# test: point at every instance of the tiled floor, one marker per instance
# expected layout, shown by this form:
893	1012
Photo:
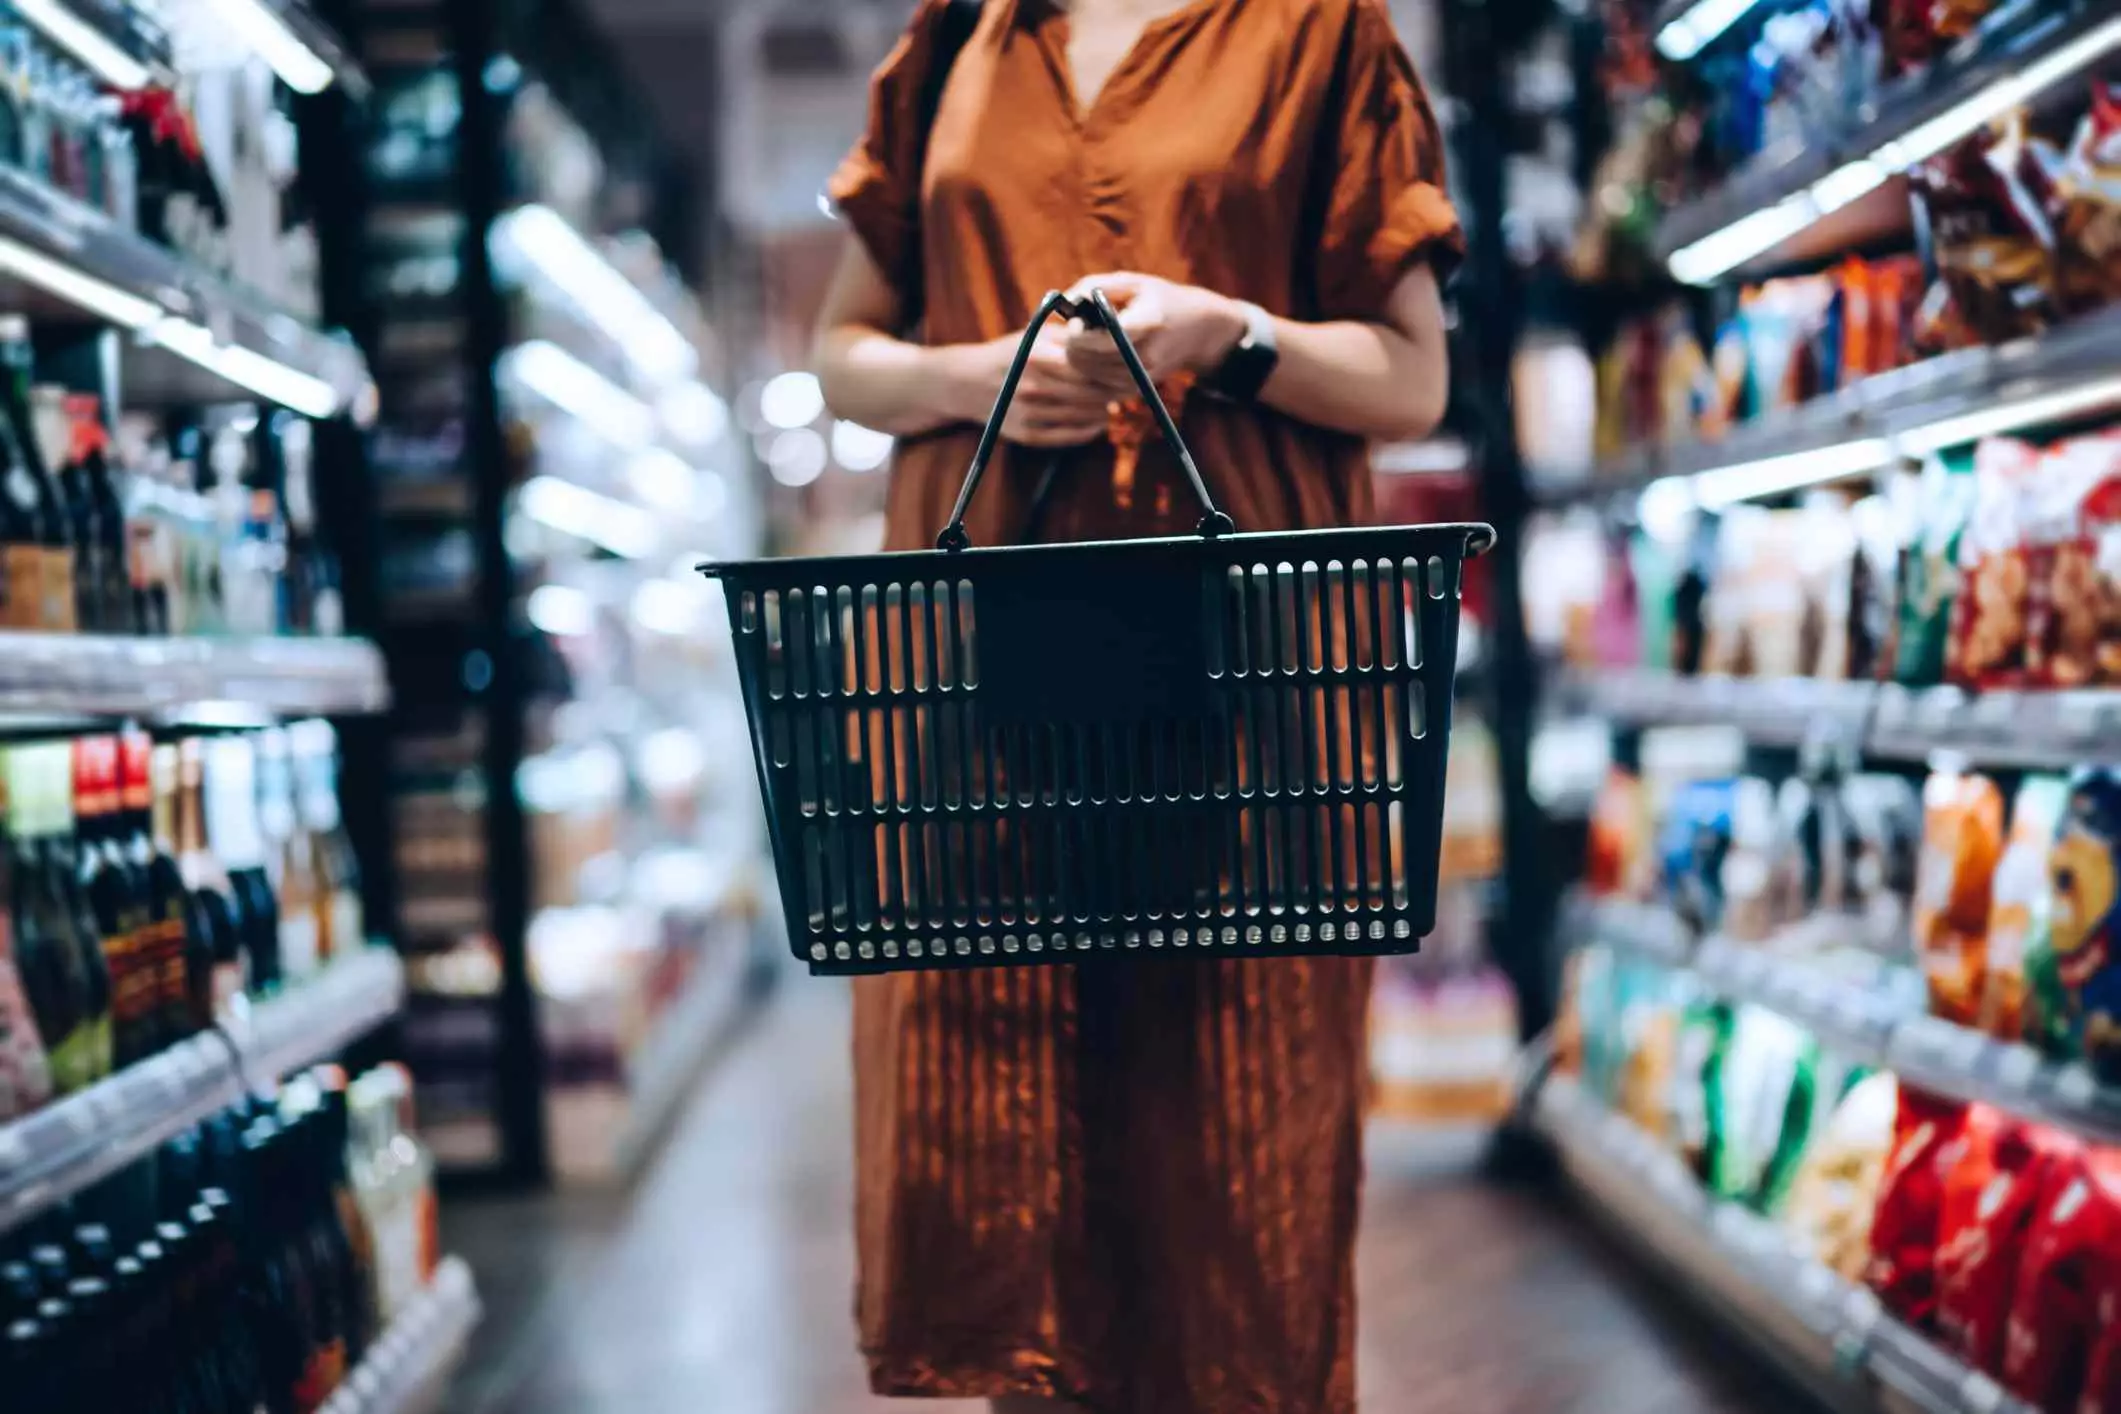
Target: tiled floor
723	1285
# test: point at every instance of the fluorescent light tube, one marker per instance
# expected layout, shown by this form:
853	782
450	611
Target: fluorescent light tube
1722	251
269	379
2011	417
266	35
623	529
1686	36
85	42
1727	485
541	238
575	388
98	297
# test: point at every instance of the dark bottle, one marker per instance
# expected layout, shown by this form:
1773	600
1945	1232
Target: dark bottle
102	542
63	859
116	900
364	1321
52	432
210	916
28	1365
183	984
29	990
71	991
276	1292
93	1381
327	1257
233	831
40	557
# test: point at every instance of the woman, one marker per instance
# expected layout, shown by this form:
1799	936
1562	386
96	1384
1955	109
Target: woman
1142	1201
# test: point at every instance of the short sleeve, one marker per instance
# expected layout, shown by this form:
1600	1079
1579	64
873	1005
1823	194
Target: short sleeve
877	185
1386	210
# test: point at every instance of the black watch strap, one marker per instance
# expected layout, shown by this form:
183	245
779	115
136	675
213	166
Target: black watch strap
1246	368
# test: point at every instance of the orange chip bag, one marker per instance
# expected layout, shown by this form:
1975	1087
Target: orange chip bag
1962	840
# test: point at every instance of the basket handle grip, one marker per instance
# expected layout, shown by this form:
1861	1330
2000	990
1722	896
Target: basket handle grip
1096	311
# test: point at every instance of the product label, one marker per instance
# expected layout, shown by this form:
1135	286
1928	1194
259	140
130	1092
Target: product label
22	582
135	989
162	959
59	614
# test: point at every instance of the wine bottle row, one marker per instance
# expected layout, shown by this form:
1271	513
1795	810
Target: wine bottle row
147	887
243	1269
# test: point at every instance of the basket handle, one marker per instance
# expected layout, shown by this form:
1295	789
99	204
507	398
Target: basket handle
1096	312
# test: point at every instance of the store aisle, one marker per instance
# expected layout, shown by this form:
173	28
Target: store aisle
723	1286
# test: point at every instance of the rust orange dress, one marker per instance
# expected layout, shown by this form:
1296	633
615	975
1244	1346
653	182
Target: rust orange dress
1135	1189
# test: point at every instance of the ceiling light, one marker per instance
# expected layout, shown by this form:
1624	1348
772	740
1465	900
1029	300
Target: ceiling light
791	400
268	36
622	529
541	238
693	413
660	477
575	388
85	42
1687	35
1758	232
667	607
859	448
560	610
796	457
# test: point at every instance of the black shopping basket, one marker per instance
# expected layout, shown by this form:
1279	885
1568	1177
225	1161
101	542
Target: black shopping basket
1205	745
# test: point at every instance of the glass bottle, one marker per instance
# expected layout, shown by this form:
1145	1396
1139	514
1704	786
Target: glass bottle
148	831
150	526
210	916
25	972
291	860
52	427
232	830
115	899
51	604
315	748
101	536
75	1016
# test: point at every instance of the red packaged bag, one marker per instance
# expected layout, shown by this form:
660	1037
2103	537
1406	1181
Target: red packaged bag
2102	1376
1903	1265
2070	1251
1990	1200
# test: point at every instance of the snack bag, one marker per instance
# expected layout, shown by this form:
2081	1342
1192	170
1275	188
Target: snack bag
1902	1269
1697	835
2087	203
1884	817
1768	1081
1994	272
1618	837
1837	1182
2082	950
2019	902
2102	1374
1989	617
1695	1122
2070	1247
1936	507
2073	618
1962	840
1990	1200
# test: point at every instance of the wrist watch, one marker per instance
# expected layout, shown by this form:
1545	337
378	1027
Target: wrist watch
1246	368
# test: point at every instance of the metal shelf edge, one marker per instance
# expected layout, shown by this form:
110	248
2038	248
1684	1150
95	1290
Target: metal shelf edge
404	1371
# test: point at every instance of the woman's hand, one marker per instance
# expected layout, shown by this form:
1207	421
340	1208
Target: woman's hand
1056	405
1175	328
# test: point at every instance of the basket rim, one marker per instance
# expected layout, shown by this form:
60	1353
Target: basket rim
1479	537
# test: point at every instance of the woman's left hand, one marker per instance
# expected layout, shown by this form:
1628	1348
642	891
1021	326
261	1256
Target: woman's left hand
1175	328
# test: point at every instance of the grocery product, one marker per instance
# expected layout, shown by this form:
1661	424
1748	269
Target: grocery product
2073	621
1993	257
1962	840
2073	1240
1696	1101
1936	507
1989	616
1883	815
1617	857
2019	902
2074	983
1902	1264
1990	1200
2087	206
1835	1189
1694	839
1768	1083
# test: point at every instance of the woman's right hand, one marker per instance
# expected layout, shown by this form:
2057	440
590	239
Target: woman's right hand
1054	406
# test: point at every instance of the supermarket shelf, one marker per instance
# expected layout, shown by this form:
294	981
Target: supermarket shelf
194	336
86	1137
1863	1025
2030	730
2072	363
407	1370
74	676
1825	1332
1813	216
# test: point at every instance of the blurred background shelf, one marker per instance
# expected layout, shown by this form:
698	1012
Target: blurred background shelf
225	681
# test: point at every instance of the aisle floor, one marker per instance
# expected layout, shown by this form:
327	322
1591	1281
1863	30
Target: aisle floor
721	1284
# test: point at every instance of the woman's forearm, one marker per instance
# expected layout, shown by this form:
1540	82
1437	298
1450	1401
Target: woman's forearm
893	386
1367	379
